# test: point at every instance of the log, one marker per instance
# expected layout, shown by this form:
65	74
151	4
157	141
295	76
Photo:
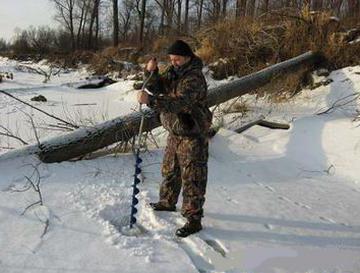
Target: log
85	140
264	123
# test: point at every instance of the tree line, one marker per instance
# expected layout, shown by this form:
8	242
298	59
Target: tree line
95	24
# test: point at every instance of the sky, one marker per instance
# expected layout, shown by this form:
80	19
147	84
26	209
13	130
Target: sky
22	14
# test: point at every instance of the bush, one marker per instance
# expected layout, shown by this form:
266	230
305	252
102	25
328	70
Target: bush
250	45
3	45
253	44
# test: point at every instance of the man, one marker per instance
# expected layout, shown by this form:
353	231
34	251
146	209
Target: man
180	98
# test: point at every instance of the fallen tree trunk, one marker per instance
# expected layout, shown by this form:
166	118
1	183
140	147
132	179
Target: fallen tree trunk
86	140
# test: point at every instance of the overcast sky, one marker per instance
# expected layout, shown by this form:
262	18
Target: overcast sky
22	14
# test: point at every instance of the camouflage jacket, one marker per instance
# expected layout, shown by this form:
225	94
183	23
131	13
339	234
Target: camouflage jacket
180	99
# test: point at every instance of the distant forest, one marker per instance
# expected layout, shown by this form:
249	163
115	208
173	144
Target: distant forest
96	24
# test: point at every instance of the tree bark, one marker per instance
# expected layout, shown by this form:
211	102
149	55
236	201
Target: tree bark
266	6
87	140
92	21
224	8
252	8
162	18
115	23
66	13
81	23
142	22
353	8
186	16
97	28
178	19
318	4
216	10
201	4
240	8
72	30
337	6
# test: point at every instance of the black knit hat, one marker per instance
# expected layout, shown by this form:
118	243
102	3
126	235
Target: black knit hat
180	48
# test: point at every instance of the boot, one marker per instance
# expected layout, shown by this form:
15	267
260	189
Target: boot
191	226
159	206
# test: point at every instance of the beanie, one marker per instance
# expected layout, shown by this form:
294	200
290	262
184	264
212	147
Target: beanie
180	48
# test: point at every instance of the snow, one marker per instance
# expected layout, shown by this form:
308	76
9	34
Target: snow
277	200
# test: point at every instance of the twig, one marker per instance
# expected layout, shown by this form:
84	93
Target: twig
153	140
34	128
30	206
84	104
35	186
46	228
339	103
327	171
15	137
7	148
8	133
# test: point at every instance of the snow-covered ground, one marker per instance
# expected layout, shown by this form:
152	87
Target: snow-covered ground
277	200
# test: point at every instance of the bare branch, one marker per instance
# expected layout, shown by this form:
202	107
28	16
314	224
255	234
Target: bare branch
35	186
42	111
13	136
30	206
46	228
341	102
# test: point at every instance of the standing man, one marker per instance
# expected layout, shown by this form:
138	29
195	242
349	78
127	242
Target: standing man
180	95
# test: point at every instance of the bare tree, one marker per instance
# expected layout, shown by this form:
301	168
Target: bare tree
115	22
3	45
199	9
266	5
224	8
178	15
336	6
125	17
94	20
142	14
65	15
252	8
41	39
241	8
83	7
167	13
213	9
186	16
318	4
354	8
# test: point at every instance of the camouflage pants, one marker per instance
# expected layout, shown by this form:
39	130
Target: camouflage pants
185	165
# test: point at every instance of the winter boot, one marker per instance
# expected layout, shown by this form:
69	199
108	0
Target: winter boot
162	207
191	226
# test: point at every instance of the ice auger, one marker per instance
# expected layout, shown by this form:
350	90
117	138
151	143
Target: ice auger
138	161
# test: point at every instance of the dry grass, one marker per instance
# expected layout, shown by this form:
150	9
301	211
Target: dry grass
108	59
243	42
250	45
282	88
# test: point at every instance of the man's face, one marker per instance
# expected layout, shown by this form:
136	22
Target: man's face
177	60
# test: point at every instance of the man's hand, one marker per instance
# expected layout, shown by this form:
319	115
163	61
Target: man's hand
151	65
143	97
